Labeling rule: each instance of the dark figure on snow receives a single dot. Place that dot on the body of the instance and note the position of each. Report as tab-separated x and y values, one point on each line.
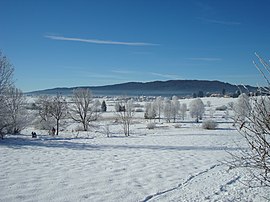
34	135
53	131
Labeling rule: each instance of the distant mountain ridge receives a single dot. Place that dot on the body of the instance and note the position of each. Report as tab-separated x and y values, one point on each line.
172	87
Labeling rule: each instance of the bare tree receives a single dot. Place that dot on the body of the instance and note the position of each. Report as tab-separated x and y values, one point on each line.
175	107
6	73
45	120
167	109
150	111
196	109
255	128
183	110
58	109
158	106
15	103
6	81
242	107
83	110
126	116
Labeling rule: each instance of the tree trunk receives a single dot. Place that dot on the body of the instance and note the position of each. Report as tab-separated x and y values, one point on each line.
57	126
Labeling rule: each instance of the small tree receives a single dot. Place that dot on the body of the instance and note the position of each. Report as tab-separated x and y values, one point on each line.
242	107
103	106
45	120
6	81
200	94
150	111
175	107
183	110
58	109
83	110
196	109
126	115
15	103
6	74
158	106
167	109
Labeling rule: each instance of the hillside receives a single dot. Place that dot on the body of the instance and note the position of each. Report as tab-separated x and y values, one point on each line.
177	87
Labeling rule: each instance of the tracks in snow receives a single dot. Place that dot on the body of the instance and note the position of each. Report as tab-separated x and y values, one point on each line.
149	197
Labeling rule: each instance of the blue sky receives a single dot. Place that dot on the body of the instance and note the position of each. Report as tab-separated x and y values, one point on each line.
61	43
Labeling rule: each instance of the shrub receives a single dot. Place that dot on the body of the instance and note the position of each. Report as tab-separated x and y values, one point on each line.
151	126
177	125
209	124
221	108
139	110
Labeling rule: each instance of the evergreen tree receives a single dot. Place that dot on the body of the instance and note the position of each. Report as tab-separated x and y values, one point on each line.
103	106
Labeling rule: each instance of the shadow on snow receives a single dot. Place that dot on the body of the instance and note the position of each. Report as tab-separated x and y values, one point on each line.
27	143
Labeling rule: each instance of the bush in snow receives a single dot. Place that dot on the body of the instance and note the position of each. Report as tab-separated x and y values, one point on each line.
177	125
209	124
139	110
221	108
151	126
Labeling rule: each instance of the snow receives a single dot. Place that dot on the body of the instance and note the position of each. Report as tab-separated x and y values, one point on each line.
162	164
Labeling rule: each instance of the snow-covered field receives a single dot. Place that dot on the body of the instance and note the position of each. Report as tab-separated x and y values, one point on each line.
163	164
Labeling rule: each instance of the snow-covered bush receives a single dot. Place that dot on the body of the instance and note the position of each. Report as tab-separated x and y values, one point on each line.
139	110
222	108
177	125
151	125
209	124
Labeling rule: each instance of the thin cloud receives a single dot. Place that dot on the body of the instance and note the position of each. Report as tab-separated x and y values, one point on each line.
97	41
221	22
167	76
123	72
205	59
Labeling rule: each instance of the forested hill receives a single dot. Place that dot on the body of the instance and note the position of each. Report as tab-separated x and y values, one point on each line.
181	87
